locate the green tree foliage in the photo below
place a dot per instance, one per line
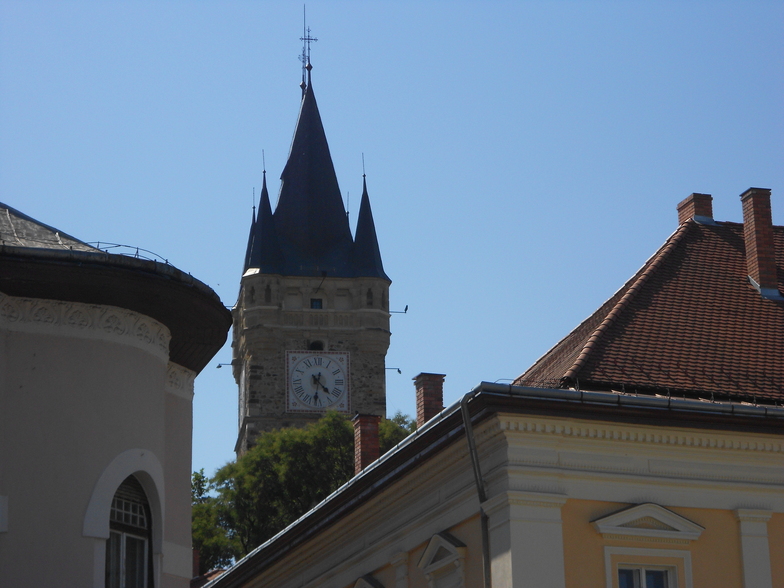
(393, 431)
(279, 479)
(283, 476)
(209, 537)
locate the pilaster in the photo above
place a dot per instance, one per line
(526, 539)
(754, 547)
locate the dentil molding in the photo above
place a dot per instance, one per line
(649, 435)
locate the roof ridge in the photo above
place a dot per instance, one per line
(631, 292)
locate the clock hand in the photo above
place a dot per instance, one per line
(317, 379)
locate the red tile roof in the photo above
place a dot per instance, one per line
(689, 323)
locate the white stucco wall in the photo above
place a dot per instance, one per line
(81, 385)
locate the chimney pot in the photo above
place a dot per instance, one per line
(696, 206)
(429, 396)
(366, 446)
(758, 235)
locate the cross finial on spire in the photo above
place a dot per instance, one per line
(305, 57)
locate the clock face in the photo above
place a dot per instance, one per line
(317, 381)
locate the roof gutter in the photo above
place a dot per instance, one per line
(632, 401)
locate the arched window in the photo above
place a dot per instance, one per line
(369, 297)
(129, 549)
(267, 294)
(316, 346)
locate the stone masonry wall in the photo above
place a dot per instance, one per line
(274, 315)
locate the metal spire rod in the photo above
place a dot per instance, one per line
(306, 39)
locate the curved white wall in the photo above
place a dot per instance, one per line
(88, 397)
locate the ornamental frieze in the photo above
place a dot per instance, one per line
(90, 321)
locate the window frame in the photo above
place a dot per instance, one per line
(147, 469)
(671, 573)
(677, 562)
(123, 536)
(130, 516)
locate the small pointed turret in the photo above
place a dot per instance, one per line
(250, 240)
(367, 256)
(265, 250)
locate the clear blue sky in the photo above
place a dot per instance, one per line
(523, 158)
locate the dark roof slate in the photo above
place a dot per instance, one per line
(687, 323)
(249, 248)
(367, 256)
(309, 217)
(263, 246)
(308, 234)
(19, 230)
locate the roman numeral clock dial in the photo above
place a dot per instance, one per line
(317, 381)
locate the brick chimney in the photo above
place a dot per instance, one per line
(758, 233)
(366, 449)
(696, 206)
(429, 396)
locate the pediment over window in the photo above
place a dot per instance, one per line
(649, 522)
(368, 581)
(443, 553)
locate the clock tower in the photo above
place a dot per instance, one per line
(311, 325)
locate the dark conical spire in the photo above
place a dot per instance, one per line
(308, 234)
(367, 256)
(250, 240)
(310, 218)
(265, 250)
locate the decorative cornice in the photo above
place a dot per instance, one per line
(179, 381)
(647, 539)
(609, 432)
(518, 498)
(752, 515)
(88, 321)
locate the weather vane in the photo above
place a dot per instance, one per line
(306, 39)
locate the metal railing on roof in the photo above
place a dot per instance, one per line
(128, 251)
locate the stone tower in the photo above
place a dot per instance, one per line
(311, 325)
